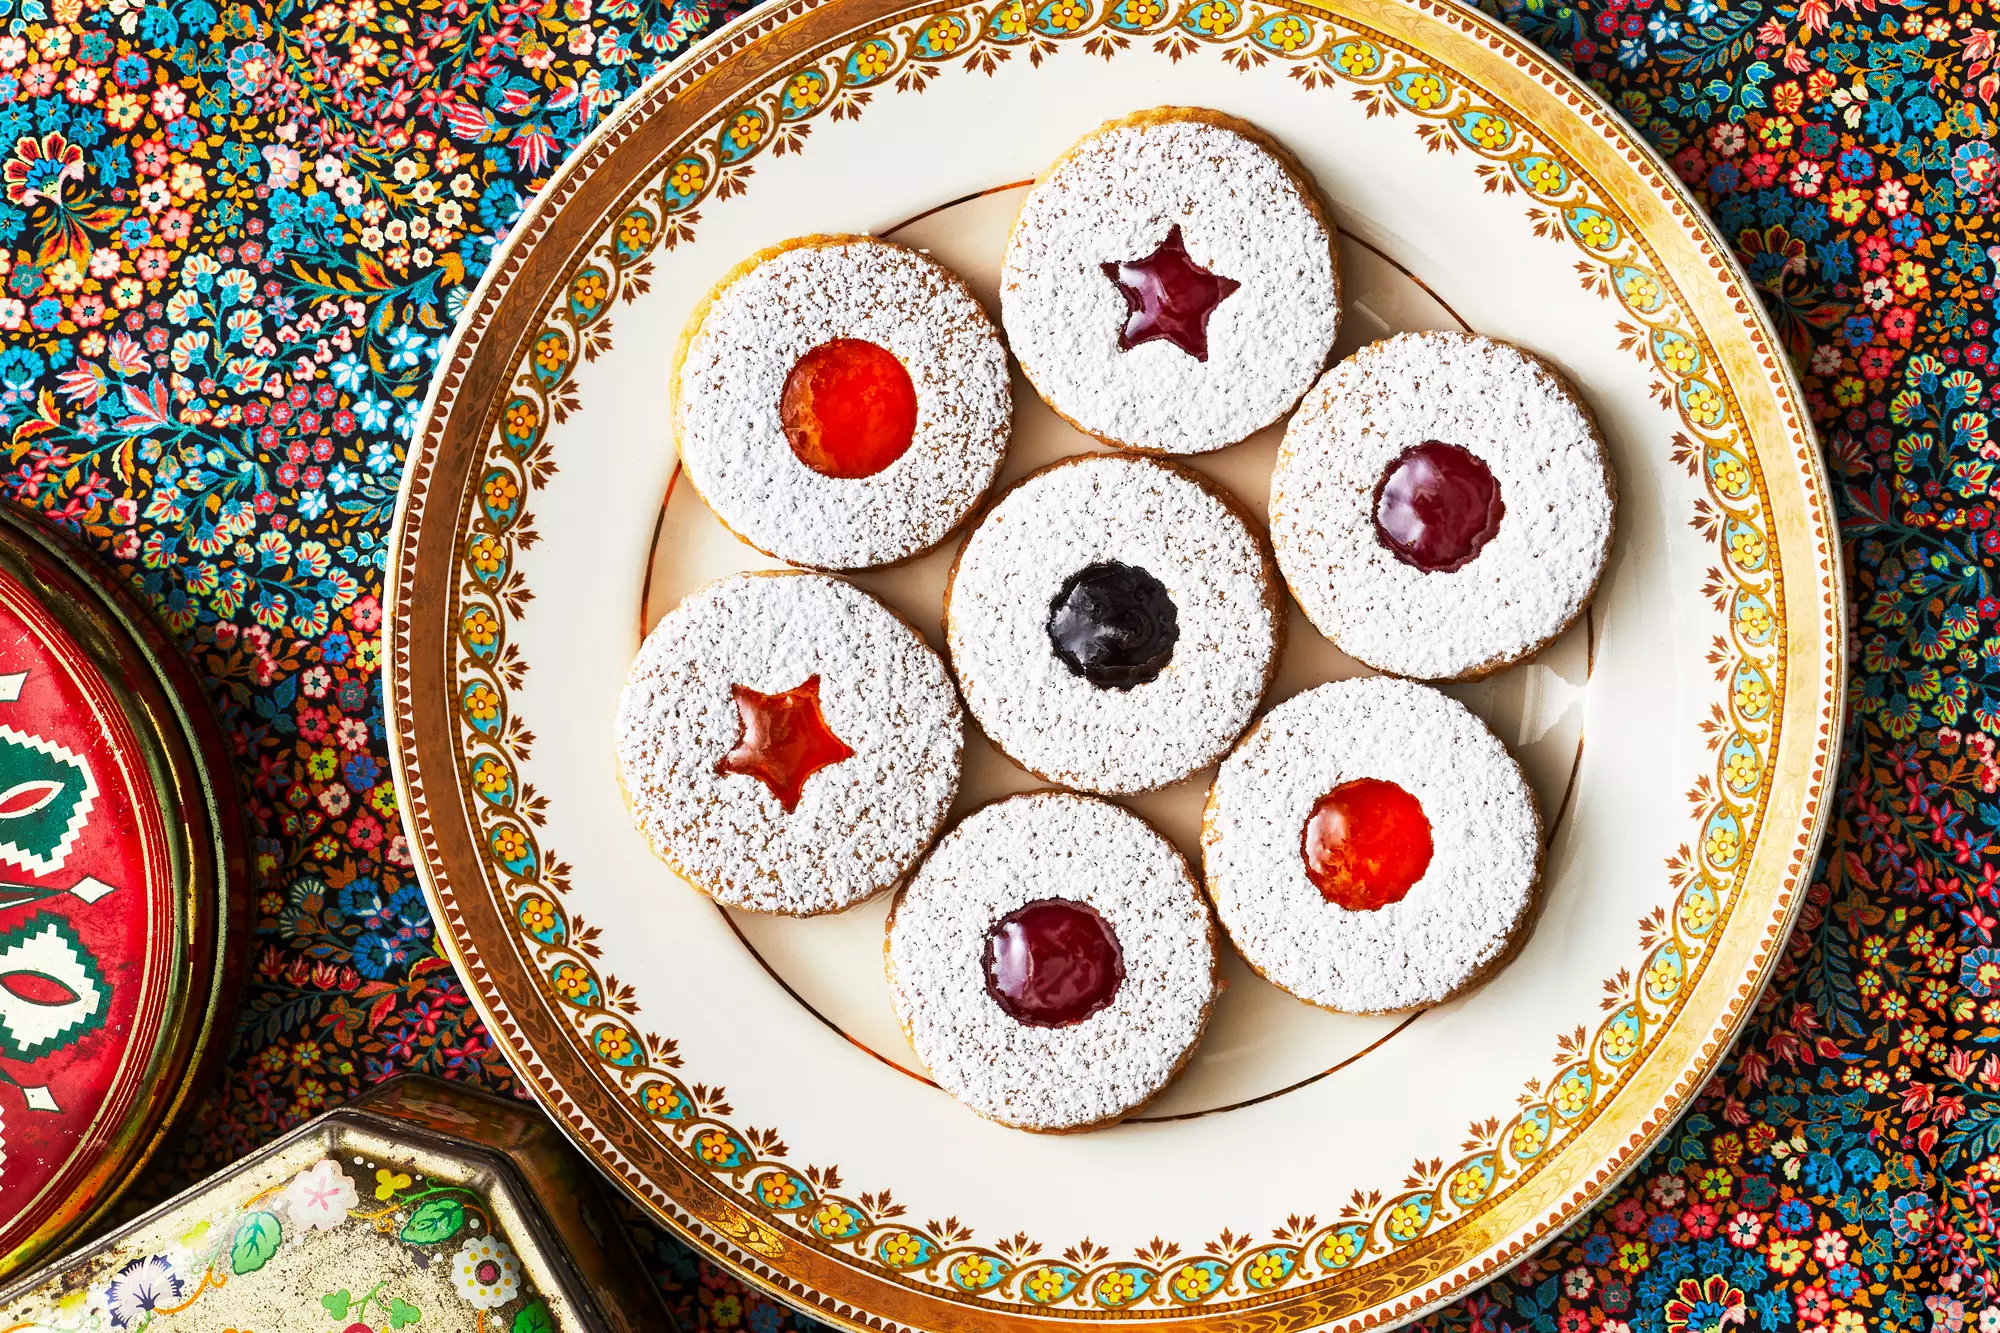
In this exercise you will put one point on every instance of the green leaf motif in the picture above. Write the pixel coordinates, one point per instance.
(401, 1312)
(533, 1318)
(336, 1303)
(256, 1241)
(434, 1220)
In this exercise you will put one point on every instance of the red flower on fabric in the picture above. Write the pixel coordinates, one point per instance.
(39, 167)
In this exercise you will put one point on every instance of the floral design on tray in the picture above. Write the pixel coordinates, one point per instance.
(437, 1263)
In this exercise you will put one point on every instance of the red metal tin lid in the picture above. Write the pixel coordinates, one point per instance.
(115, 853)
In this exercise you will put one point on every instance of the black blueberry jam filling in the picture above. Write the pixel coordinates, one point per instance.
(1114, 625)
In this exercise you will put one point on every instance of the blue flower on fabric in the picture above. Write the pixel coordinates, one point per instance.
(359, 897)
(1906, 230)
(1979, 972)
(361, 771)
(1910, 1217)
(1794, 1217)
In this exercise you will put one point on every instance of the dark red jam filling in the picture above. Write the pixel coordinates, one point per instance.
(849, 409)
(783, 740)
(1114, 625)
(1366, 844)
(1052, 963)
(1437, 506)
(1168, 296)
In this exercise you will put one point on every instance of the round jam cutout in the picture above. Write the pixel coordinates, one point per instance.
(1052, 963)
(1437, 506)
(1366, 844)
(1114, 625)
(848, 409)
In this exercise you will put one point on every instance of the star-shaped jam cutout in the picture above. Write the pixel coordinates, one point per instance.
(784, 740)
(1169, 296)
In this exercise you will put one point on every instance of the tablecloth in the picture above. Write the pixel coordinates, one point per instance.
(234, 235)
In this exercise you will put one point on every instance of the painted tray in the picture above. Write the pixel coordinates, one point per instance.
(120, 886)
(744, 1077)
(421, 1206)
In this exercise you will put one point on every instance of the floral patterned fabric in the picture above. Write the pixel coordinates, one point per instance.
(233, 236)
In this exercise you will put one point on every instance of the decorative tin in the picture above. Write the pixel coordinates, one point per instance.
(119, 875)
(422, 1206)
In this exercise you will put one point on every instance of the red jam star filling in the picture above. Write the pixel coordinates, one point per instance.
(1437, 506)
(1052, 963)
(784, 740)
(848, 409)
(1366, 844)
(1169, 296)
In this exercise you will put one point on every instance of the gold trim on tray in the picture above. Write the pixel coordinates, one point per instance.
(1474, 92)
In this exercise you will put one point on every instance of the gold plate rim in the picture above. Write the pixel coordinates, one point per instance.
(472, 375)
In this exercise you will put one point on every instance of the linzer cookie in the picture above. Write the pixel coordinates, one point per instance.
(1114, 622)
(1171, 284)
(788, 743)
(1442, 506)
(841, 402)
(1052, 962)
(1371, 846)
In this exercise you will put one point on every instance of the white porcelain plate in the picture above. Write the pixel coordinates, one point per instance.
(744, 1076)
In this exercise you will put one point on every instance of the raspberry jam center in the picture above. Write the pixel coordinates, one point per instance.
(1168, 295)
(849, 409)
(1114, 625)
(782, 740)
(1366, 844)
(1437, 506)
(1053, 962)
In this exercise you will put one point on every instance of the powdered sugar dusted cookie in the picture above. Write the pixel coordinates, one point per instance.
(1442, 506)
(841, 402)
(787, 743)
(1052, 962)
(1371, 846)
(1113, 622)
(1171, 284)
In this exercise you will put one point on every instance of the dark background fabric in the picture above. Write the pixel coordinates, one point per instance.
(235, 234)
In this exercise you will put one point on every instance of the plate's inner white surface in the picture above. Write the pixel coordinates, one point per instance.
(1261, 1042)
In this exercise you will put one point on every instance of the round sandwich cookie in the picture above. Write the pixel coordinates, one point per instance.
(787, 743)
(1052, 962)
(1442, 506)
(1171, 284)
(1372, 847)
(841, 402)
(1114, 622)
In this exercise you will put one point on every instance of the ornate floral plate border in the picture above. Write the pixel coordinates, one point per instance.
(1528, 129)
